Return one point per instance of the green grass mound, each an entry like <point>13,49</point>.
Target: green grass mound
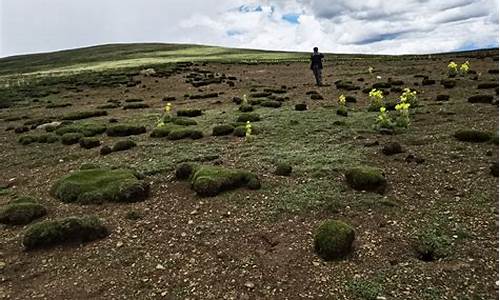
<point>240,131</point>
<point>270,103</point>
<point>208,181</point>
<point>123,145</point>
<point>184,171</point>
<point>252,117</point>
<point>21,213</point>
<point>87,129</point>
<point>99,185</point>
<point>184,133</point>
<point>68,230</point>
<point>283,169</point>
<point>224,129</point>
<point>105,150</point>
<point>183,121</point>
<point>366,179</point>
<point>71,138</point>
<point>333,240</point>
<point>135,106</point>
<point>480,99</point>
<point>84,115</point>
<point>473,136</point>
<point>300,107</point>
<point>125,130</point>
<point>161,132</point>
<point>89,143</point>
<point>190,113</point>
<point>41,139</point>
<point>246,108</point>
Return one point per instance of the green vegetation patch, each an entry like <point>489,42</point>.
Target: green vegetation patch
<point>333,240</point>
<point>21,213</point>
<point>252,117</point>
<point>191,113</point>
<point>41,139</point>
<point>366,179</point>
<point>99,185</point>
<point>84,115</point>
<point>224,129</point>
<point>473,136</point>
<point>208,181</point>
<point>87,129</point>
<point>68,230</point>
<point>184,133</point>
<point>71,138</point>
<point>125,130</point>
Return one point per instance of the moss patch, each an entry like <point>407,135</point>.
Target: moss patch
<point>89,143</point>
<point>366,179</point>
<point>123,145</point>
<point>84,115</point>
<point>184,133</point>
<point>191,113</point>
<point>42,139</point>
<point>252,117</point>
<point>71,138</point>
<point>283,169</point>
<point>87,129</point>
<point>125,130</point>
<point>97,185</point>
<point>209,181</point>
<point>473,136</point>
<point>56,232</point>
<point>333,240</point>
<point>224,129</point>
<point>21,213</point>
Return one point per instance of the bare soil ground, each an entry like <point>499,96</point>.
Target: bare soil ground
<point>259,244</point>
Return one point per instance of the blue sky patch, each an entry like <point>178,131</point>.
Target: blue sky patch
<point>291,18</point>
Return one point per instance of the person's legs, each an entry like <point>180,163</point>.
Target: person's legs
<point>320,77</point>
<point>317,74</point>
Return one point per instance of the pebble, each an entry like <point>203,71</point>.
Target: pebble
<point>160,267</point>
<point>249,284</point>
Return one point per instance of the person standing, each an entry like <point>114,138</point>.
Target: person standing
<point>317,65</point>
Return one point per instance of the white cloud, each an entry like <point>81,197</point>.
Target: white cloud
<point>348,26</point>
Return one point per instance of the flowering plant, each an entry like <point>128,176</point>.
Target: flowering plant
<point>404,115</point>
<point>376,99</point>
<point>384,120</point>
<point>452,69</point>
<point>464,68</point>
<point>409,97</point>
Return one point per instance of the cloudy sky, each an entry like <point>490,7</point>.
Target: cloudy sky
<point>342,26</point>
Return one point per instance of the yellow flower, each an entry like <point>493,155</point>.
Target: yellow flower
<point>382,109</point>
<point>342,100</point>
<point>248,129</point>
<point>168,107</point>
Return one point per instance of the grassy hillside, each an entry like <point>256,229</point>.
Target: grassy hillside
<point>123,56</point>
<point>105,57</point>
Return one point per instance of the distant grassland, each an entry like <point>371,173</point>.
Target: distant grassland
<point>135,56</point>
<point>108,57</point>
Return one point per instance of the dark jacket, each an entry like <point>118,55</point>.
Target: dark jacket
<point>317,60</point>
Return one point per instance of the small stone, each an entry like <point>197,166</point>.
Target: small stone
<point>119,244</point>
<point>249,284</point>
<point>160,267</point>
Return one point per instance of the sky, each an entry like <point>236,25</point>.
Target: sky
<point>335,26</point>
